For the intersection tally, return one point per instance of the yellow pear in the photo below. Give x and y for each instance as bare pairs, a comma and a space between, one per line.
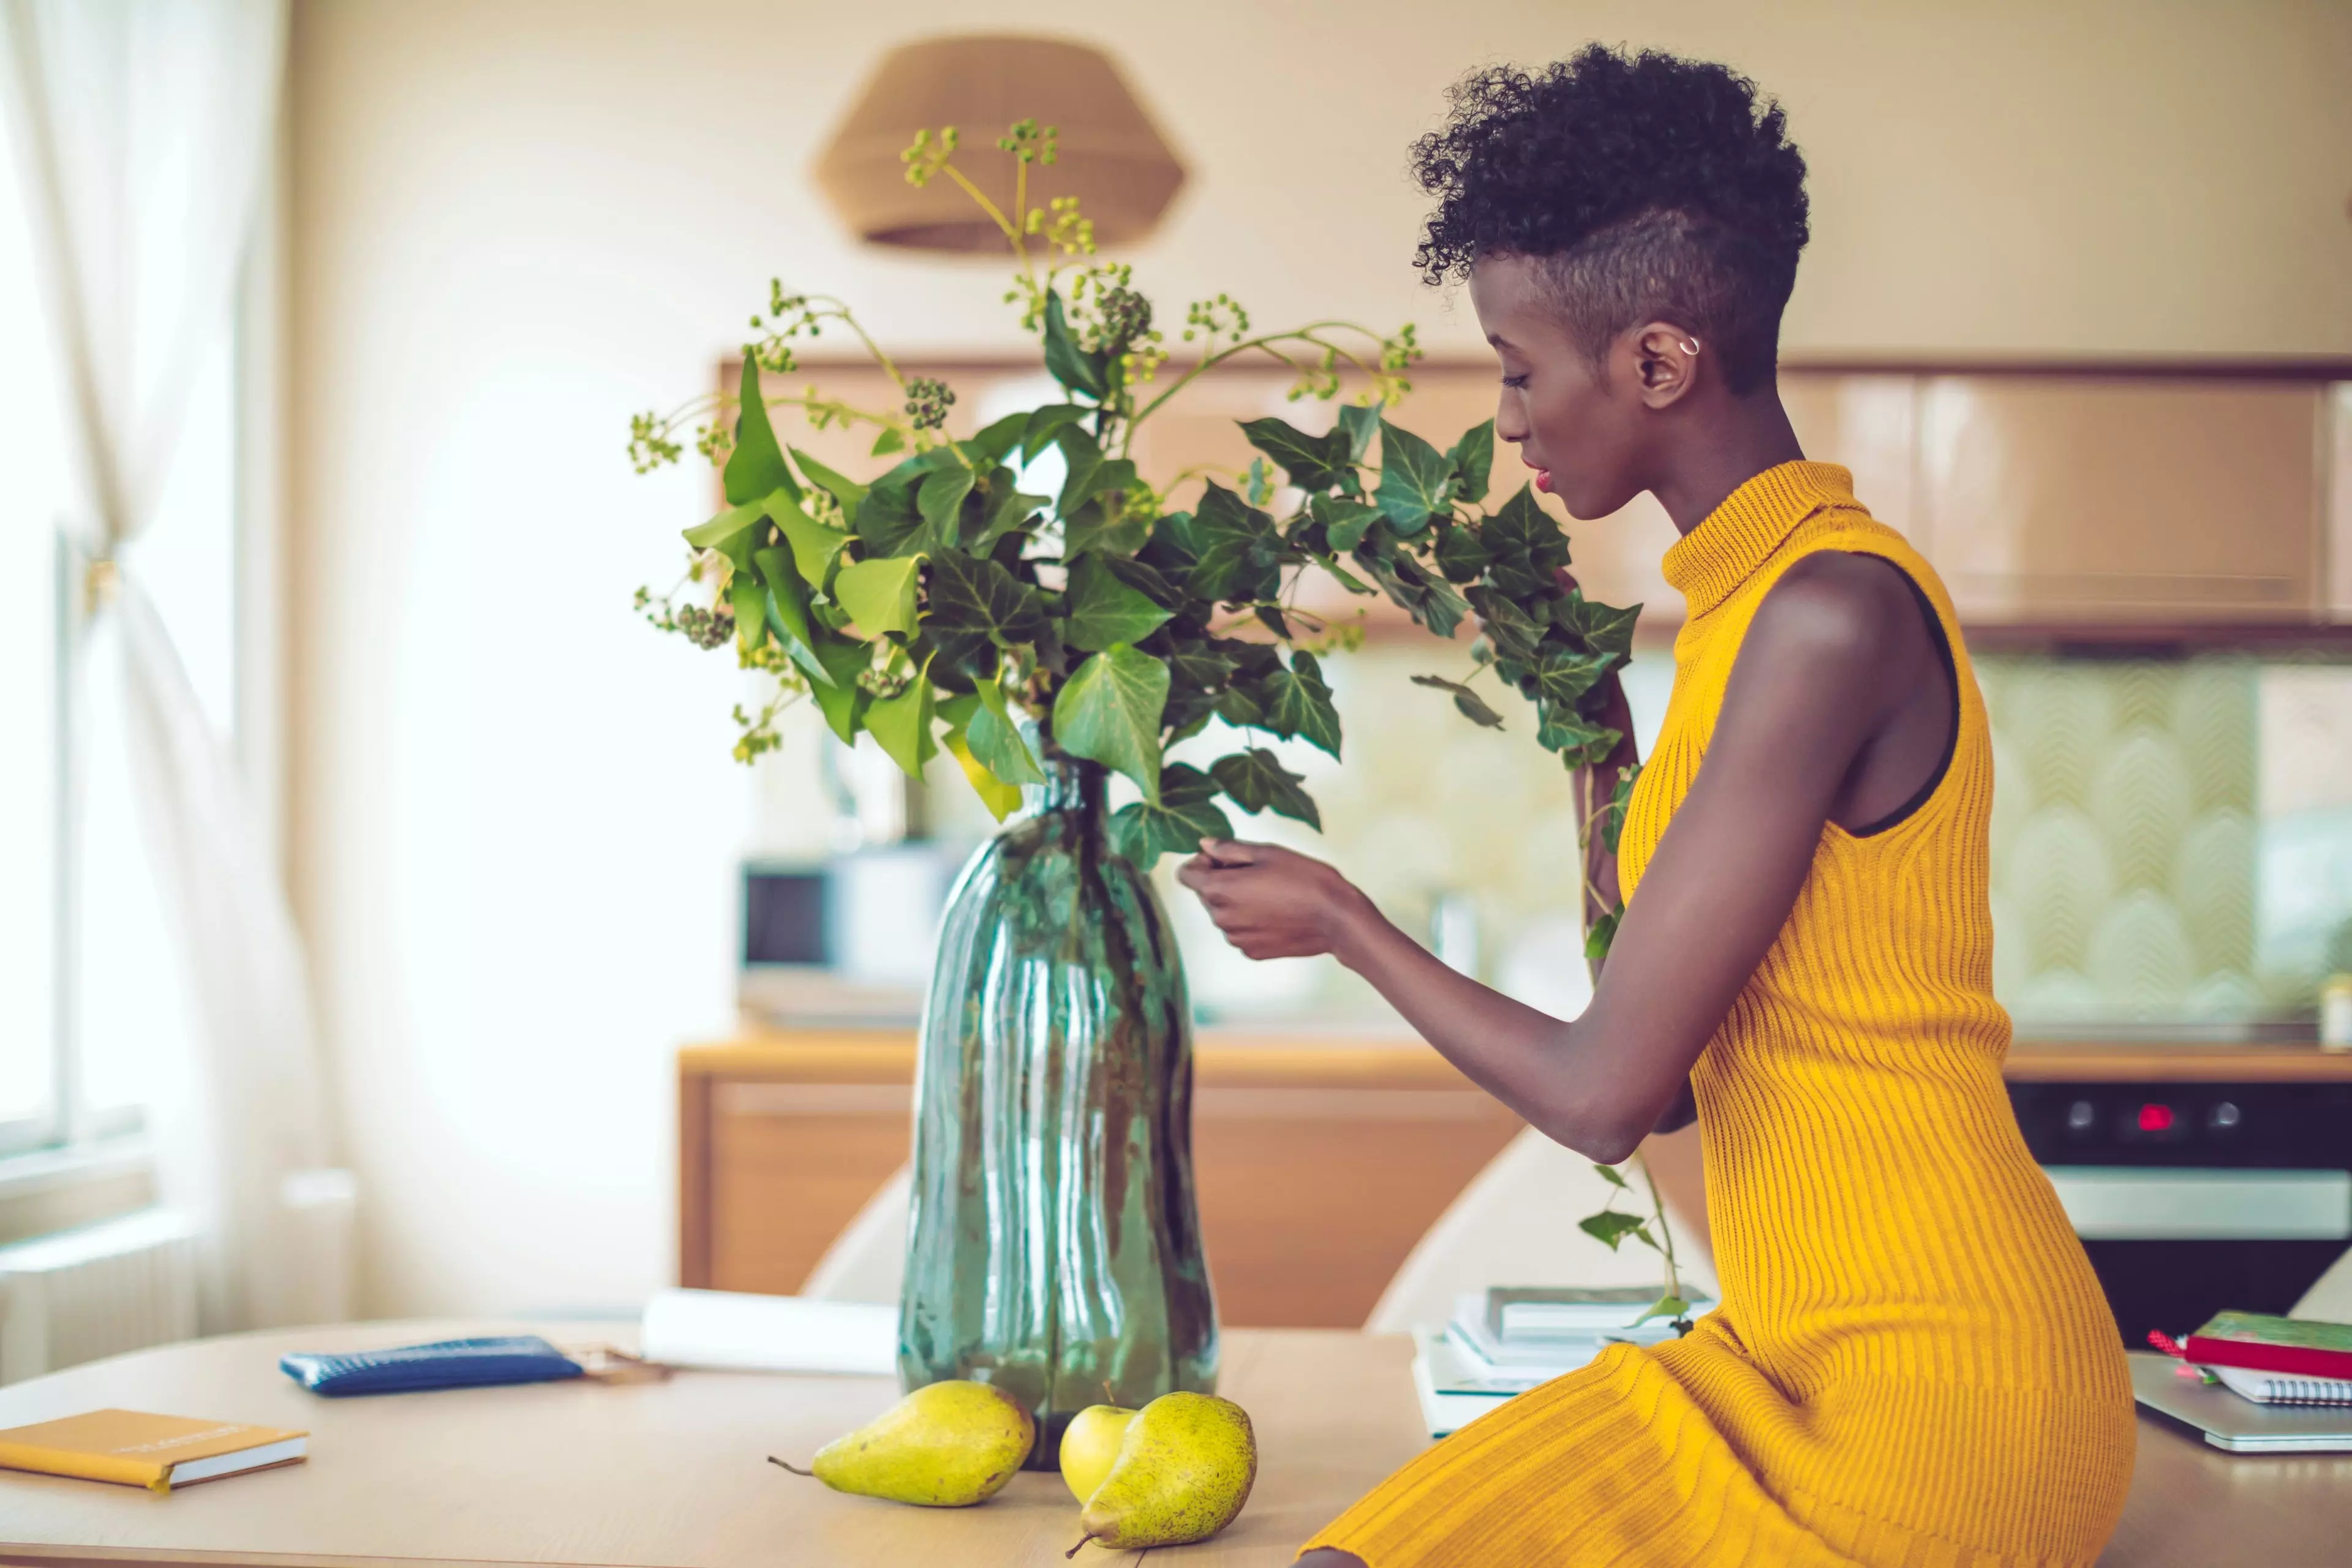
947, 1445
1184, 1469
1090, 1446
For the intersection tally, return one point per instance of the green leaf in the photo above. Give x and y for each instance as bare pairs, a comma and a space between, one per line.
1184, 814
1579, 740
1415, 478
840, 486
1507, 626
814, 545
731, 534
1100, 610
1526, 546
1236, 549
1597, 940
999, 439
1612, 821
901, 726
1313, 462
1665, 1307
1610, 1227
757, 465
844, 703
1201, 665
1473, 460
1109, 710
1009, 510
1098, 529
1064, 360
749, 597
1297, 702
888, 521
1344, 521
1346, 579
1597, 628
787, 611
1612, 1176
1044, 425
975, 606
1361, 423
1431, 600
1561, 676
888, 442
940, 500
879, 594
997, 742
1000, 798
1471, 706
1460, 554
1258, 782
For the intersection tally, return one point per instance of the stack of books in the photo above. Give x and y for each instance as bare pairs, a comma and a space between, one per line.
1503, 1341
2275, 1361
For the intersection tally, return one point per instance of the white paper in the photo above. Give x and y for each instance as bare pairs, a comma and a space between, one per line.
728, 1330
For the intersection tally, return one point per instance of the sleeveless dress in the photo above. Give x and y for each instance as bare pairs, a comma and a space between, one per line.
1913, 1363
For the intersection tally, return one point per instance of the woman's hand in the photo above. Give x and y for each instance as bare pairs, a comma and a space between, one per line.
1271, 902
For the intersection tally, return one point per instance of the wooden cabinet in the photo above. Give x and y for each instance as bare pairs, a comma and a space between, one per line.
1317, 1167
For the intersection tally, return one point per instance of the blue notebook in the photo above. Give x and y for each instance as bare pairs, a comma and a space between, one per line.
452, 1363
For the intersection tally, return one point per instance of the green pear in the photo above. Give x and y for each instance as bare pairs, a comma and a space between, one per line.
947, 1445
1184, 1469
1090, 1446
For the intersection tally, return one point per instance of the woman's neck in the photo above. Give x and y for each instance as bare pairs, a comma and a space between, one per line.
1733, 442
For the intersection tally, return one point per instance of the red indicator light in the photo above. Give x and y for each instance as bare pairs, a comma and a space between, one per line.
2156, 1119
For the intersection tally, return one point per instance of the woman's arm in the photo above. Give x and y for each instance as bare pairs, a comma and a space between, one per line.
1826, 662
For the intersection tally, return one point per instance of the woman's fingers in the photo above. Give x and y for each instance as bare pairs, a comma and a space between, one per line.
1230, 852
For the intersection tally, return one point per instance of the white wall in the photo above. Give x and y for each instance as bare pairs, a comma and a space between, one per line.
515, 223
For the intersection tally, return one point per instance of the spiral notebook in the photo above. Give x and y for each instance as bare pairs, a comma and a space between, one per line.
2271, 1388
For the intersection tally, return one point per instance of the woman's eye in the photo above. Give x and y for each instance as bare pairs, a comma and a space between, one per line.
1515, 381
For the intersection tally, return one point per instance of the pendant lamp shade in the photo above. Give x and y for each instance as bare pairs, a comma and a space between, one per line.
1110, 156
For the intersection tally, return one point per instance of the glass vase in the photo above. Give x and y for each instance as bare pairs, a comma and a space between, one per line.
1052, 1246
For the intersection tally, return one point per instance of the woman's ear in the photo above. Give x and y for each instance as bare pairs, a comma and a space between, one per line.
1666, 363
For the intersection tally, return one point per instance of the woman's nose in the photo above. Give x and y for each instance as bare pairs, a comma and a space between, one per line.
1510, 418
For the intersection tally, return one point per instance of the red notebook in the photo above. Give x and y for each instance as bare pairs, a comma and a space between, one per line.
2259, 1343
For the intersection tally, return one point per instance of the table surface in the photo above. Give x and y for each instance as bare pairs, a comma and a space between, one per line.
674, 1474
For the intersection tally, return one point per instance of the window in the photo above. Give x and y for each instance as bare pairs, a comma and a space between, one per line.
92, 1001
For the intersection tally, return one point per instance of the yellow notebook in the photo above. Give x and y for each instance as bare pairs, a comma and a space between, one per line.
142, 1450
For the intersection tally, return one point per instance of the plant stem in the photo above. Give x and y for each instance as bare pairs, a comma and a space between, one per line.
1666, 1231
1301, 334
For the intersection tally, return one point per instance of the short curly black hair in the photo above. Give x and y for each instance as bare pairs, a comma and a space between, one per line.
1653, 186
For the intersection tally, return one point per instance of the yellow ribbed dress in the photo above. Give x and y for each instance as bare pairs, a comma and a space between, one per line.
1913, 1363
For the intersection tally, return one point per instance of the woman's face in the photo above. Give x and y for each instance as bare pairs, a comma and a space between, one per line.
1577, 427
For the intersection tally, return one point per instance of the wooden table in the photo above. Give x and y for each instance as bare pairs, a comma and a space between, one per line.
673, 1473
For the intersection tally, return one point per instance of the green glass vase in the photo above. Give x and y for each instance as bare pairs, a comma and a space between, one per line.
1053, 1246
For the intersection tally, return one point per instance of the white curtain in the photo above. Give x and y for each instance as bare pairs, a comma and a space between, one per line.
147, 128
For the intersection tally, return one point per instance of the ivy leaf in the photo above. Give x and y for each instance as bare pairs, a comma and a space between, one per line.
901, 726
888, 442
787, 611
1665, 1307
1473, 461
1612, 821
814, 546
887, 520
1461, 554
1597, 628
1009, 511
748, 596
1313, 462
1201, 665
843, 702
840, 486
997, 742
1515, 635
1000, 798
879, 594
1579, 740
940, 500
1064, 360
1046, 423
731, 534
1526, 547
757, 465
1414, 479
1184, 814
999, 439
1344, 521
1258, 782
1345, 578
1361, 423
974, 598
1471, 706
1236, 549
1102, 611
1297, 702
1432, 601
1610, 1227
1612, 1176
1098, 529
1561, 676
1108, 712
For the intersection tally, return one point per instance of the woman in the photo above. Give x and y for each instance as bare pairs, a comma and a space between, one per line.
1913, 1363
